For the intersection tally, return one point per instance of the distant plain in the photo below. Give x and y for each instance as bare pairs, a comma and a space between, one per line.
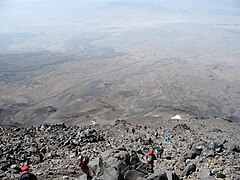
78, 62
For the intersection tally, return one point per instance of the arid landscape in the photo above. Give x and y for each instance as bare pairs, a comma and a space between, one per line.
134, 61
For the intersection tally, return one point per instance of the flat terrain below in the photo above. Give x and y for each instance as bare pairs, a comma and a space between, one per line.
136, 80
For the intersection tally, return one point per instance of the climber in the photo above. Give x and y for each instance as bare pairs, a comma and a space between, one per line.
161, 150
157, 151
83, 161
167, 138
150, 159
26, 175
133, 130
150, 141
156, 133
145, 126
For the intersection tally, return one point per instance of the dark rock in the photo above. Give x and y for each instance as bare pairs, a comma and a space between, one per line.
232, 118
139, 151
190, 168
46, 110
220, 175
216, 130
134, 159
144, 168
191, 154
180, 127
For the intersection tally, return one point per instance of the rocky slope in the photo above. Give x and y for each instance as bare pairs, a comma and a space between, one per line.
199, 149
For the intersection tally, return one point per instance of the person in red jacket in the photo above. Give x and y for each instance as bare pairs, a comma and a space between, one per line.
26, 175
83, 161
150, 159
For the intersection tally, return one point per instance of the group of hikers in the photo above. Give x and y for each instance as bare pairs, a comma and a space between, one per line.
83, 159
152, 155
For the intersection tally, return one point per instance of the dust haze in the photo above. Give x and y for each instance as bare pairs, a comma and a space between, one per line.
78, 61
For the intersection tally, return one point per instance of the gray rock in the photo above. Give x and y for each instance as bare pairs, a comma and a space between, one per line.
204, 173
207, 153
96, 166
209, 178
171, 176
199, 146
83, 177
232, 147
156, 175
133, 175
237, 178
123, 156
110, 173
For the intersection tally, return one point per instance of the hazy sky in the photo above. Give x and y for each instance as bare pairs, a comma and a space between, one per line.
96, 15
36, 25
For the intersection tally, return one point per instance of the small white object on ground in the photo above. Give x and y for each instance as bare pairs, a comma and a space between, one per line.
93, 122
177, 117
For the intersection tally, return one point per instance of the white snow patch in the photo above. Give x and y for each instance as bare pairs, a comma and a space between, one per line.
177, 117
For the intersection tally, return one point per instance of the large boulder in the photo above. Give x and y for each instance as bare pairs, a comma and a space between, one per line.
133, 175
144, 168
96, 166
161, 175
111, 173
117, 161
232, 147
156, 175
134, 159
